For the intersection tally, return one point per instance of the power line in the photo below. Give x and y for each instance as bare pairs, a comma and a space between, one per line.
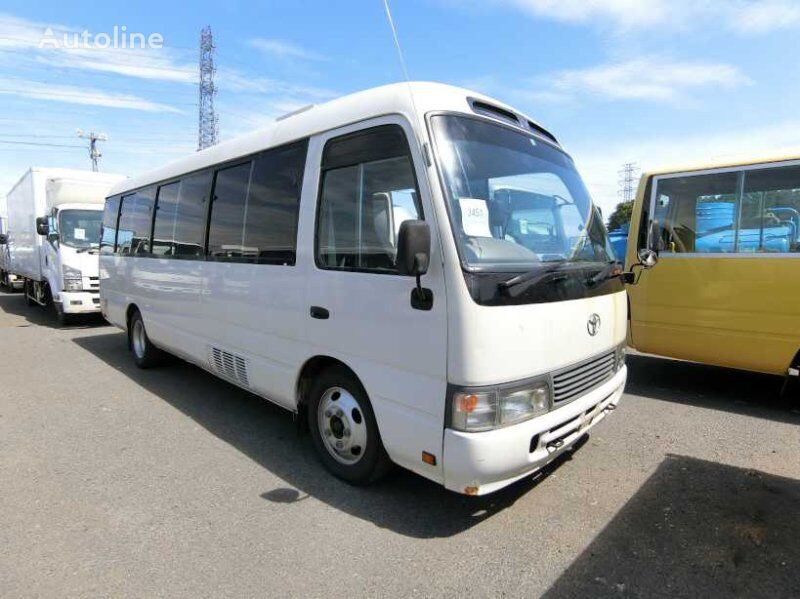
34, 143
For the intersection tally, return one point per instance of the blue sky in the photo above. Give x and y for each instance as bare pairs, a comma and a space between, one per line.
650, 81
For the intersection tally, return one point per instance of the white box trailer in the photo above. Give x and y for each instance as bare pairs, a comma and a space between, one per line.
53, 238
7, 280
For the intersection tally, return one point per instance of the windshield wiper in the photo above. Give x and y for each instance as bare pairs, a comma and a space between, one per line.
532, 276
609, 271
89, 249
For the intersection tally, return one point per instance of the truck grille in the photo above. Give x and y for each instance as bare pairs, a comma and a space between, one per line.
578, 379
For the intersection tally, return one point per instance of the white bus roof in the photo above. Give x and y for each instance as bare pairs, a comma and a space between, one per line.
395, 98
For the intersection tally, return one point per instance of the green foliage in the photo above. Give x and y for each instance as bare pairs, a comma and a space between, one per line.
620, 216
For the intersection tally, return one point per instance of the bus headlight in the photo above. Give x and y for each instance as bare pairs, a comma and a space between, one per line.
486, 409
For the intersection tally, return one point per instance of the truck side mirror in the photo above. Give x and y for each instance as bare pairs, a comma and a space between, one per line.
3, 239
42, 227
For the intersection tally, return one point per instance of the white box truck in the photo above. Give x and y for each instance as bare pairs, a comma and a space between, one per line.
53, 239
7, 280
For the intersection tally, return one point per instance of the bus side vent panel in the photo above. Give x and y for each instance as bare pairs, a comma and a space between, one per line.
229, 366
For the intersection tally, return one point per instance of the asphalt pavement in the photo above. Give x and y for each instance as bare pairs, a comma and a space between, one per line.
119, 482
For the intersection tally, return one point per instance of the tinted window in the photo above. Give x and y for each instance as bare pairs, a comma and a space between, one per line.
109, 235
135, 220
190, 223
362, 205
272, 204
228, 211
164, 226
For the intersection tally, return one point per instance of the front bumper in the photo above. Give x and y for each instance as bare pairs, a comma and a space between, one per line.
488, 461
79, 302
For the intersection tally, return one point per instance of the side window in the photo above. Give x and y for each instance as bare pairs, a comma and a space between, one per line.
164, 226
108, 237
228, 213
697, 213
190, 220
135, 221
770, 216
270, 228
368, 189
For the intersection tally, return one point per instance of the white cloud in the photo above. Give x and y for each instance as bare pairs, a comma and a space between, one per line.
766, 16
742, 16
20, 46
73, 94
647, 78
284, 49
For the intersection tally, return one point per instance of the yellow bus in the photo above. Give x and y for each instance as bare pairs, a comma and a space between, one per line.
727, 287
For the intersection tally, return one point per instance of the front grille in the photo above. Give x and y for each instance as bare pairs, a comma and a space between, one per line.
94, 282
578, 379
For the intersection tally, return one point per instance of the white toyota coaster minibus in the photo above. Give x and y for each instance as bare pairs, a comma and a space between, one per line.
416, 269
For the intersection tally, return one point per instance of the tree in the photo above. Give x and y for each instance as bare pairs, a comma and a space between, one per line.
621, 215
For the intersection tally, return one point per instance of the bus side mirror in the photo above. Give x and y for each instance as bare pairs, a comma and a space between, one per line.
413, 258
413, 248
656, 241
3, 239
42, 228
648, 258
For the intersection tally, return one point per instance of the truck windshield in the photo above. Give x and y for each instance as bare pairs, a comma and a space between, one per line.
515, 202
80, 228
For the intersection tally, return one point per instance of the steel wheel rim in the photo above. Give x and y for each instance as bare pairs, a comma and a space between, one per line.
342, 426
138, 338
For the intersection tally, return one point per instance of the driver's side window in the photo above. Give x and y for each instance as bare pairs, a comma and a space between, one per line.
367, 190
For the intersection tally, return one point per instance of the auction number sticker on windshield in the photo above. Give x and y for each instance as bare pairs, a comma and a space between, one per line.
475, 217
80, 233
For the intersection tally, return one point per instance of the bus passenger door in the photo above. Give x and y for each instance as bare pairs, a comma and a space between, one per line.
369, 181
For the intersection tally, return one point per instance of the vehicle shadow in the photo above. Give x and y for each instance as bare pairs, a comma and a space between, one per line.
403, 502
14, 304
737, 391
695, 529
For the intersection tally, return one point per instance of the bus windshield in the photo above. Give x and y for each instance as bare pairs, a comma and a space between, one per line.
80, 228
515, 201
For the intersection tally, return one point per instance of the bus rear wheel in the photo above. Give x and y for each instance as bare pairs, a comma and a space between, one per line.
145, 354
344, 430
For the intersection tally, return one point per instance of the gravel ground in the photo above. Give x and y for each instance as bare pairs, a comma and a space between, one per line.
171, 483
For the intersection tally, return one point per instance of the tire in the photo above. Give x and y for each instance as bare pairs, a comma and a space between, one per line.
26, 289
339, 413
64, 319
145, 354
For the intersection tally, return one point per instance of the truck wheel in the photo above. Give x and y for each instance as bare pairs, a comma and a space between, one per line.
64, 319
344, 430
28, 291
145, 354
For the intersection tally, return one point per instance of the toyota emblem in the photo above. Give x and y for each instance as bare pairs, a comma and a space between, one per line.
593, 324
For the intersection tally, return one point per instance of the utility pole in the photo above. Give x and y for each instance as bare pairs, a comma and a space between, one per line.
208, 125
628, 175
94, 153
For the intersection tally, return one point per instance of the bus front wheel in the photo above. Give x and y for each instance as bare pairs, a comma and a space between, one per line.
344, 430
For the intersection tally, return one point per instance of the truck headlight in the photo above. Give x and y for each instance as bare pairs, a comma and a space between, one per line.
485, 409
73, 278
